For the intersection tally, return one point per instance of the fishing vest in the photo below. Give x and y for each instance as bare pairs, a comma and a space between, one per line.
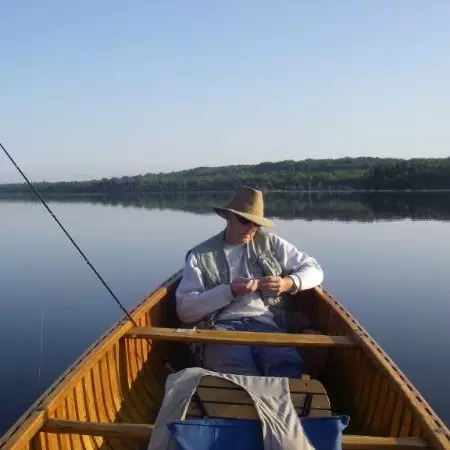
259, 257
258, 253
281, 427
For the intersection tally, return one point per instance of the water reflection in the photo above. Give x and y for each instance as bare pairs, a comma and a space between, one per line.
340, 206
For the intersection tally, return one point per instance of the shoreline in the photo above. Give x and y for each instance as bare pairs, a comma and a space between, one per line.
207, 191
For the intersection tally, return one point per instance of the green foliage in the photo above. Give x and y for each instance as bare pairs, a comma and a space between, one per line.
309, 174
412, 174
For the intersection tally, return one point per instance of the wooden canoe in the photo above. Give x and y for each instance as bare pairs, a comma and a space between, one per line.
109, 398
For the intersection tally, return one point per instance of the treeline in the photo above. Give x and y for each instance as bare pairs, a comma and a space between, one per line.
412, 174
310, 174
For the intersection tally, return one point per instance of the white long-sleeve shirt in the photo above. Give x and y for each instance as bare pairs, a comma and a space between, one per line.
194, 302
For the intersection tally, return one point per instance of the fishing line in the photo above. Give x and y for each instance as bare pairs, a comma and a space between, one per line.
41, 353
196, 398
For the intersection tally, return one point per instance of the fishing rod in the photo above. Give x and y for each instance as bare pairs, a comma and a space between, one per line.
70, 237
196, 397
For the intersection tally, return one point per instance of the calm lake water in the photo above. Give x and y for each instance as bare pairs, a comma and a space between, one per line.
385, 256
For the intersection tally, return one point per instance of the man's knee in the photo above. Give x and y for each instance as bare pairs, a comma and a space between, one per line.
280, 362
236, 359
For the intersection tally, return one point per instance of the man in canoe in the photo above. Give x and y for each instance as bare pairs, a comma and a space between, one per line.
235, 281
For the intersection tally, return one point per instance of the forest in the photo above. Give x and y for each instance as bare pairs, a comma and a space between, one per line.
363, 173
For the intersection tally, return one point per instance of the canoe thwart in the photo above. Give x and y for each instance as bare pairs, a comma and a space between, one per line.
143, 432
356, 442
110, 397
140, 432
239, 337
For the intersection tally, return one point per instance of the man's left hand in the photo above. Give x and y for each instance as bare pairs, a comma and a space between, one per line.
275, 285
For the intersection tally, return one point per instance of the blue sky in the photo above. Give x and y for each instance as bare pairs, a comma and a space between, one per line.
92, 89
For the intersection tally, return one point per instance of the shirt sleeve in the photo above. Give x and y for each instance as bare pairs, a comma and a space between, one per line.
194, 302
302, 268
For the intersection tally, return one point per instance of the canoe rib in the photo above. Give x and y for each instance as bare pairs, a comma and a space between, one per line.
238, 337
54, 418
30, 423
143, 432
435, 430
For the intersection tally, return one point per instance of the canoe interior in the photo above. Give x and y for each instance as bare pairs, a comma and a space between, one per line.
363, 382
121, 380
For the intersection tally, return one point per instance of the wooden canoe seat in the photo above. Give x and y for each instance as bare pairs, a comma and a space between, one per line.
224, 399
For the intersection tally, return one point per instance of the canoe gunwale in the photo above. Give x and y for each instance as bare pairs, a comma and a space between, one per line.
32, 422
438, 431
42, 412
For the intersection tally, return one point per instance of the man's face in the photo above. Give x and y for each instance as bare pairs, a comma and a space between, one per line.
240, 230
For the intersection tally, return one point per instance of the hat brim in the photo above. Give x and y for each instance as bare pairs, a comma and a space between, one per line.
262, 221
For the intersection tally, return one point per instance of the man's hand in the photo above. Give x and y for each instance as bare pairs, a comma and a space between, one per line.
242, 286
275, 285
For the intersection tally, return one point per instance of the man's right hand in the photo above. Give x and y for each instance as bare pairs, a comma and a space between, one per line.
242, 286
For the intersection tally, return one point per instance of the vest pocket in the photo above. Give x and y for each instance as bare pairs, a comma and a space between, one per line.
269, 264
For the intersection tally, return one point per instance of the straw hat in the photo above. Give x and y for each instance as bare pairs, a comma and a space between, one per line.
247, 203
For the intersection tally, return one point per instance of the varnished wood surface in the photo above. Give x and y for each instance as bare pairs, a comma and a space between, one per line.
133, 431
355, 442
224, 400
239, 337
109, 382
108, 399
299, 386
383, 400
216, 390
30, 428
